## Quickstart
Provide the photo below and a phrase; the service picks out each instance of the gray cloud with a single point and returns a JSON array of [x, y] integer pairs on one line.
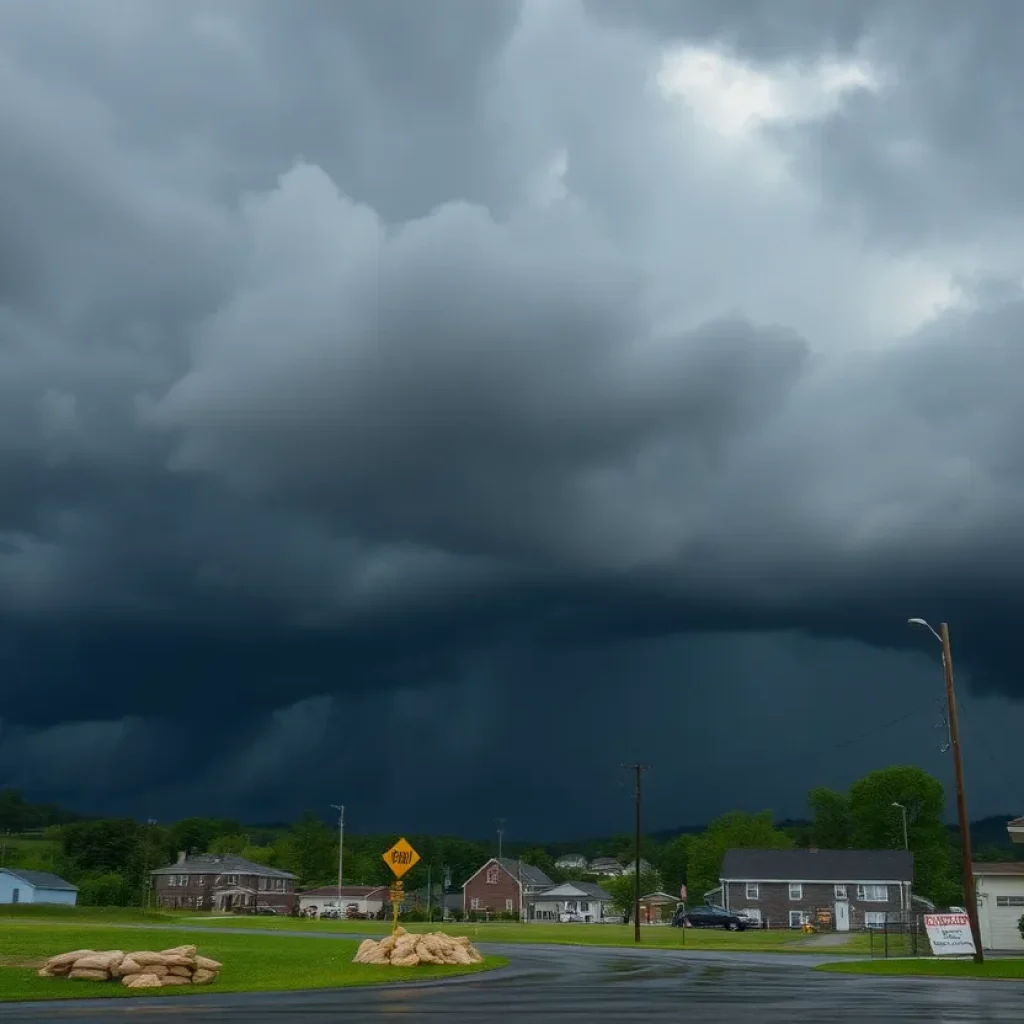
[[355, 356]]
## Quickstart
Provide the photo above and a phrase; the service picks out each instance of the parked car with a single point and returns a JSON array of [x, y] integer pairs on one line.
[[709, 917]]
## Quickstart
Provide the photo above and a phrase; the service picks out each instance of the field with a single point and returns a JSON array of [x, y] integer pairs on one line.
[[252, 963], [1004, 969]]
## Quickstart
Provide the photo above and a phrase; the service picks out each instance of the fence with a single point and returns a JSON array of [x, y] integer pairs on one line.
[[899, 935]]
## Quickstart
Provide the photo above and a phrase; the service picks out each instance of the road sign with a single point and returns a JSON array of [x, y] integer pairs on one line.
[[682, 893], [401, 857], [949, 934]]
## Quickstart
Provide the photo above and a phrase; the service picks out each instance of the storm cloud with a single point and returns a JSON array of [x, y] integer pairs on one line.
[[437, 377]]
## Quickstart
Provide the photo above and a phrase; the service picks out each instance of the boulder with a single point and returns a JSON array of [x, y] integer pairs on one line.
[[141, 981], [85, 974]]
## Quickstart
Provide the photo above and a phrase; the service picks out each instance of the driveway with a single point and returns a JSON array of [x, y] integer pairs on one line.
[[574, 985]]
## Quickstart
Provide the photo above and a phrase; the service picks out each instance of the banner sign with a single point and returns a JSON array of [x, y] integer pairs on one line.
[[949, 934]]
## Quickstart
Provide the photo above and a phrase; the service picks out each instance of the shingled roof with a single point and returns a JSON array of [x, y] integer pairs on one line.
[[818, 866], [220, 864], [41, 879]]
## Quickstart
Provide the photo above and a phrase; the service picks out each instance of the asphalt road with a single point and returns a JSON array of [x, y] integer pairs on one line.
[[548, 984]]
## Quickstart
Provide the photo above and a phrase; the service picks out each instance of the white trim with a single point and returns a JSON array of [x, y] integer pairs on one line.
[[812, 881], [487, 864], [756, 886], [799, 886], [836, 894]]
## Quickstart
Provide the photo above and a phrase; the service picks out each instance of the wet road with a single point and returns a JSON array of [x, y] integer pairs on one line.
[[548, 984]]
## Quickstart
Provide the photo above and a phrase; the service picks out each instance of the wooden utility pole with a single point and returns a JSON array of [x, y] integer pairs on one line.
[[638, 769], [970, 897]]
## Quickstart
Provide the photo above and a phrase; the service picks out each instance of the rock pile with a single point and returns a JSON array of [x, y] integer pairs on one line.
[[406, 950], [181, 965]]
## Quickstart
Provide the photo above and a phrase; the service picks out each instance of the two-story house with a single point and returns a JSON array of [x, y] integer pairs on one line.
[[503, 886], [223, 882], [846, 889]]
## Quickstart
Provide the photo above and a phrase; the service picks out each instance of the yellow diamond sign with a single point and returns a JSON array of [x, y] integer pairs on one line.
[[401, 857]]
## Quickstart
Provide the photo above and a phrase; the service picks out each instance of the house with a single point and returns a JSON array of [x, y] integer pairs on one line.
[[20, 886], [223, 882], [360, 899], [609, 866], [1000, 889], [572, 862], [585, 902], [851, 889], [503, 886], [656, 906], [1016, 830]]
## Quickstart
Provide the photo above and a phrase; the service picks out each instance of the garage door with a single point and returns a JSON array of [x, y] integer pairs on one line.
[[1003, 918]]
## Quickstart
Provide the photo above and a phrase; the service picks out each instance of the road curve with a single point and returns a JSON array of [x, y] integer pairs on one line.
[[573, 985]]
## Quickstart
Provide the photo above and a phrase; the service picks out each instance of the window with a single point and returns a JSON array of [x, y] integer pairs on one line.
[[584, 908], [873, 893], [796, 890], [840, 892], [508, 904], [200, 879], [232, 879], [1010, 901], [874, 919], [474, 903], [493, 874], [753, 891], [797, 918]]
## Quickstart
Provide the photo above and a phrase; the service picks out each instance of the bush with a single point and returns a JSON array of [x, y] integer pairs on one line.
[[106, 890]]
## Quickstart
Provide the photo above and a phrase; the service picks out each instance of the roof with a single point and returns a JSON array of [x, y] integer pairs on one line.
[[221, 864], [659, 898], [589, 889], [1013, 867], [41, 879], [818, 866], [529, 874], [1016, 823]]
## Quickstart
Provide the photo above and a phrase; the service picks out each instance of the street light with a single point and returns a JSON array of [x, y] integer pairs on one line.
[[903, 811], [970, 897], [340, 808]]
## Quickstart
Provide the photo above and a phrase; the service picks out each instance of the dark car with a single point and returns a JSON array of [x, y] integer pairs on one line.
[[709, 917]]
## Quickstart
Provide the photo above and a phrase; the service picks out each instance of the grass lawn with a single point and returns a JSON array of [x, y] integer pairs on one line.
[[252, 963], [1004, 969]]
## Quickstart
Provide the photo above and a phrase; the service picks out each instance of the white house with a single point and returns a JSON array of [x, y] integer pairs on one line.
[[610, 867], [20, 886], [1000, 890], [572, 862], [583, 902], [362, 899], [1016, 830]]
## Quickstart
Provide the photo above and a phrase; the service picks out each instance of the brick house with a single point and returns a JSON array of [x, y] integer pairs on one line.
[[843, 889], [502, 887], [223, 882]]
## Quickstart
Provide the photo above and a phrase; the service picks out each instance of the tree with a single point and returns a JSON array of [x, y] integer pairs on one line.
[[672, 860], [194, 835], [877, 824], [731, 831], [832, 827], [622, 889], [310, 850], [229, 844]]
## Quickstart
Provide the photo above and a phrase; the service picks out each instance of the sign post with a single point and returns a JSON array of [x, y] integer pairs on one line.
[[400, 859], [682, 896], [950, 934]]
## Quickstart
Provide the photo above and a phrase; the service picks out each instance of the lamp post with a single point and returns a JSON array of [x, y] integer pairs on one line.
[[970, 897], [903, 811], [340, 808]]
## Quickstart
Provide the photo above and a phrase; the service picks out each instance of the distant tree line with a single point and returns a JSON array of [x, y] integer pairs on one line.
[[110, 859]]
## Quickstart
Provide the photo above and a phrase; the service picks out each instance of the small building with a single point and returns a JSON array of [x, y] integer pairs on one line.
[[364, 900], [852, 889], [1016, 830], [503, 887], [18, 885], [572, 862], [656, 907], [1000, 889], [225, 883], [581, 902]]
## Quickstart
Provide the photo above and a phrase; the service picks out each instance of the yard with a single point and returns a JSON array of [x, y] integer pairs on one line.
[[927, 968], [252, 963]]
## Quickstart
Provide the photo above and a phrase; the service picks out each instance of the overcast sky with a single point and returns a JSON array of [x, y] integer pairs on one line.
[[432, 406]]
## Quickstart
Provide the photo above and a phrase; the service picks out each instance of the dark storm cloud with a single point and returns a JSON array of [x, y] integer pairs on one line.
[[429, 360]]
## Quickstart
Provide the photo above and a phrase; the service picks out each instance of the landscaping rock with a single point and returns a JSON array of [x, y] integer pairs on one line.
[[181, 965], [406, 950]]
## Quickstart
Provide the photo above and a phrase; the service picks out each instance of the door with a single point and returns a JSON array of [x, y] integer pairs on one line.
[[15, 895], [842, 916]]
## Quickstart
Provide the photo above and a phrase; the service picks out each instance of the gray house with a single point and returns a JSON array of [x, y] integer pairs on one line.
[[843, 889]]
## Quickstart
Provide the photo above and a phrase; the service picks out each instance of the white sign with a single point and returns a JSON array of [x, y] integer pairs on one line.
[[949, 934]]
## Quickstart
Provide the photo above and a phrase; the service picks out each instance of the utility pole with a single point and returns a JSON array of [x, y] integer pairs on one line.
[[966, 855], [638, 769], [340, 808], [500, 822], [970, 896], [430, 917]]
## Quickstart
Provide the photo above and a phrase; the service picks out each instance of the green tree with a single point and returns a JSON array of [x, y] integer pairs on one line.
[[109, 889], [194, 835], [832, 826], [736, 830], [310, 850], [622, 889], [229, 844], [877, 824], [672, 859]]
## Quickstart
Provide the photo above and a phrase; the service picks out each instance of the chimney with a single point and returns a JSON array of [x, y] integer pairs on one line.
[[181, 856]]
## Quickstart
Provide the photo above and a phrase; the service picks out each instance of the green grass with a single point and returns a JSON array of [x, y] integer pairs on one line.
[[86, 915], [252, 963], [999, 969], [784, 941]]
